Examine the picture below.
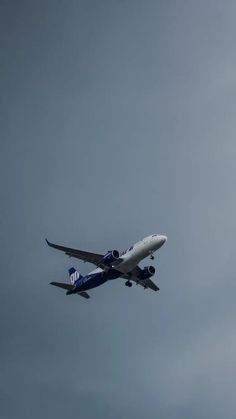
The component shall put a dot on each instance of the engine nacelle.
(110, 257)
(147, 272)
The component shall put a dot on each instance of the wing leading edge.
(94, 258)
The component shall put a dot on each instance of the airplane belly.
(98, 278)
(128, 265)
(93, 281)
(132, 260)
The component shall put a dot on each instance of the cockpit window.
(154, 235)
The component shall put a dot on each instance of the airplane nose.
(162, 240)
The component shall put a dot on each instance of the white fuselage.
(131, 257)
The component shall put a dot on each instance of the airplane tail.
(74, 275)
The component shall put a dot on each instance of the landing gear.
(152, 256)
(128, 284)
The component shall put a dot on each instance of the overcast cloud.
(118, 120)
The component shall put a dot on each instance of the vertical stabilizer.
(74, 275)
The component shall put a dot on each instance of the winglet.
(49, 244)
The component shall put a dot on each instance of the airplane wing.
(84, 294)
(150, 284)
(135, 274)
(94, 258)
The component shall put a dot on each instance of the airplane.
(112, 265)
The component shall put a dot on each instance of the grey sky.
(118, 121)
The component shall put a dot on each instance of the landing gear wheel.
(128, 284)
(151, 255)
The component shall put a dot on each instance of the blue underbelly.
(94, 280)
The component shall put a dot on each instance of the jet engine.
(147, 272)
(110, 257)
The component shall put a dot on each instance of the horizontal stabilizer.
(84, 294)
(68, 287)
